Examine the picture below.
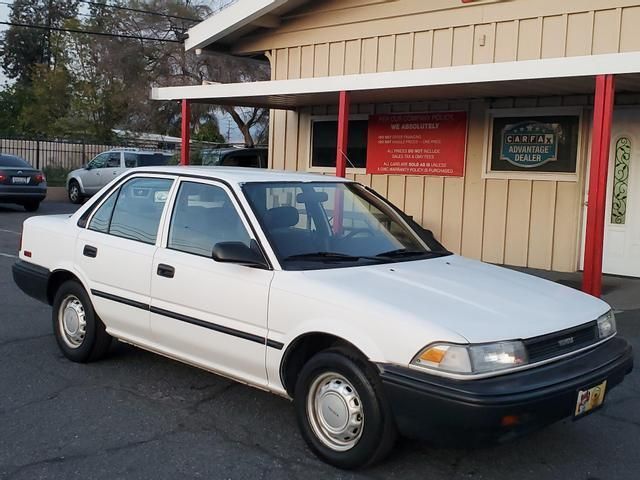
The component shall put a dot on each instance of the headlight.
(472, 359)
(607, 325)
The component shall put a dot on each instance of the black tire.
(32, 206)
(379, 431)
(74, 192)
(95, 342)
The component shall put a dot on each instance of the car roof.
(240, 175)
(137, 151)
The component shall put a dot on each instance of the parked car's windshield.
(13, 162)
(314, 225)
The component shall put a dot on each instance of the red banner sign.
(417, 144)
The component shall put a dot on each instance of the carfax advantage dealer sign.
(417, 144)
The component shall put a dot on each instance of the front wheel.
(341, 411)
(80, 334)
(75, 195)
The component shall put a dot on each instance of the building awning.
(237, 19)
(547, 77)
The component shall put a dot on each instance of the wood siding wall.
(514, 222)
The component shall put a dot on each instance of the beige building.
(524, 74)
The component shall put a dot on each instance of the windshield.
(330, 225)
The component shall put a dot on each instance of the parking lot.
(138, 415)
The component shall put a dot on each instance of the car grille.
(561, 343)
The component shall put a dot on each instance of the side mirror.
(87, 166)
(238, 252)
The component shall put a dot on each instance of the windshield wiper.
(330, 256)
(403, 252)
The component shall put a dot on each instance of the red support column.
(343, 135)
(186, 132)
(341, 159)
(597, 199)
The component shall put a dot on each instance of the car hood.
(475, 300)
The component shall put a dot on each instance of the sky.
(225, 121)
(4, 17)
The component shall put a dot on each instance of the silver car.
(106, 166)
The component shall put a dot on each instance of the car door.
(208, 313)
(113, 168)
(114, 254)
(94, 172)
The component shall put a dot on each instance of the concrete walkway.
(622, 293)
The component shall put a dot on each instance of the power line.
(89, 32)
(137, 10)
(11, 5)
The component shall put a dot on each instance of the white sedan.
(317, 289)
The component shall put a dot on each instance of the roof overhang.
(240, 17)
(547, 77)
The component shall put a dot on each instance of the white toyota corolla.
(318, 289)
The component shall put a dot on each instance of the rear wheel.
(75, 194)
(32, 206)
(80, 334)
(341, 411)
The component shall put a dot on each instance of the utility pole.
(47, 42)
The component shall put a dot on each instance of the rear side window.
(134, 211)
(114, 160)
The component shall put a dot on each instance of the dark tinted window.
(241, 160)
(152, 159)
(11, 161)
(203, 216)
(325, 141)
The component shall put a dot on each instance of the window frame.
(494, 113)
(332, 118)
(171, 206)
(116, 190)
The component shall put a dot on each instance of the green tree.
(23, 48)
(208, 130)
(49, 99)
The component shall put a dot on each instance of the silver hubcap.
(72, 321)
(73, 193)
(335, 412)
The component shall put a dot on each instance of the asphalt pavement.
(136, 415)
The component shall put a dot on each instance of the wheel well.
(302, 349)
(56, 279)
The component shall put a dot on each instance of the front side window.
(100, 161)
(203, 216)
(134, 210)
(326, 225)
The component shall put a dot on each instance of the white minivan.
(318, 289)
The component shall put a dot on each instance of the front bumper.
(454, 412)
(32, 280)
